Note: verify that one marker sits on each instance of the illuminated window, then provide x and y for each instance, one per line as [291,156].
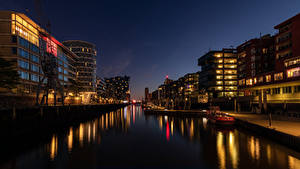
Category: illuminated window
[219,88]
[278,76]
[22,28]
[230,77]
[230,88]
[292,62]
[268,78]
[220,66]
[220,60]
[265,50]
[219,71]
[229,71]
[295,72]
[254,80]
[219,77]
[260,79]
[230,82]
[242,82]
[229,60]
[230,66]
[218,55]
[219,82]
[249,82]
[229,55]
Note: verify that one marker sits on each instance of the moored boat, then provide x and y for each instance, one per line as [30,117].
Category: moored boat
[221,119]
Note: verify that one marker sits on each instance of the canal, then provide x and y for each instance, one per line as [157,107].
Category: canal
[129,139]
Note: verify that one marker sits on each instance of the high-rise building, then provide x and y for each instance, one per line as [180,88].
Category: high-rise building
[117,88]
[24,42]
[101,89]
[218,74]
[86,63]
[147,94]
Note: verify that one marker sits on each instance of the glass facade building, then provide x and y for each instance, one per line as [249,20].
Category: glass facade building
[86,63]
[23,42]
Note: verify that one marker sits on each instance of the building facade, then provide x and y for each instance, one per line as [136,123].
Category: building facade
[86,63]
[218,74]
[101,90]
[117,88]
[24,42]
[147,98]
[276,88]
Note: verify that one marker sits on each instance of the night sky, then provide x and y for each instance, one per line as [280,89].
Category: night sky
[149,39]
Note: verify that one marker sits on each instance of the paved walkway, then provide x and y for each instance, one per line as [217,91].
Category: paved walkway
[281,124]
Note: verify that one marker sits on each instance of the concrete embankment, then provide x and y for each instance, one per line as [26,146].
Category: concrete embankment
[18,121]
[272,134]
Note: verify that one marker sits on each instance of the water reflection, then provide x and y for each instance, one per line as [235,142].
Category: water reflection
[233,148]
[129,137]
[53,147]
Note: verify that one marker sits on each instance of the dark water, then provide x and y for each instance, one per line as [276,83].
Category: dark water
[129,139]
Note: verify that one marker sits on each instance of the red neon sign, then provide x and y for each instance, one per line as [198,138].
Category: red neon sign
[51,46]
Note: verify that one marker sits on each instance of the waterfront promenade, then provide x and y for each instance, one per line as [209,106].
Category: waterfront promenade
[283,124]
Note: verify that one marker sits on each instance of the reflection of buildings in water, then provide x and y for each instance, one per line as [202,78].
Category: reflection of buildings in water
[81,135]
[53,147]
[171,124]
[233,149]
[227,149]
[182,127]
[254,148]
[160,122]
[70,140]
[167,131]
[269,155]
[204,121]
[221,151]
[192,129]
[294,163]
[90,132]
[133,113]
[172,127]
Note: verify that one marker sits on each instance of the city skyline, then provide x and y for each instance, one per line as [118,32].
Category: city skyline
[172,39]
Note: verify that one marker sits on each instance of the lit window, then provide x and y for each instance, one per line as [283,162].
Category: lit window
[295,72]
[242,82]
[219,82]
[220,66]
[260,79]
[230,72]
[268,78]
[278,76]
[230,77]
[249,82]
[219,88]
[218,55]
[219,77]
[219,71]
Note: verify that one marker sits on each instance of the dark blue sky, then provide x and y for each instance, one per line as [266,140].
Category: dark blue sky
[148,39]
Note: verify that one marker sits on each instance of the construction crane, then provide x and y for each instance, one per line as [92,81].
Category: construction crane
[48,62]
